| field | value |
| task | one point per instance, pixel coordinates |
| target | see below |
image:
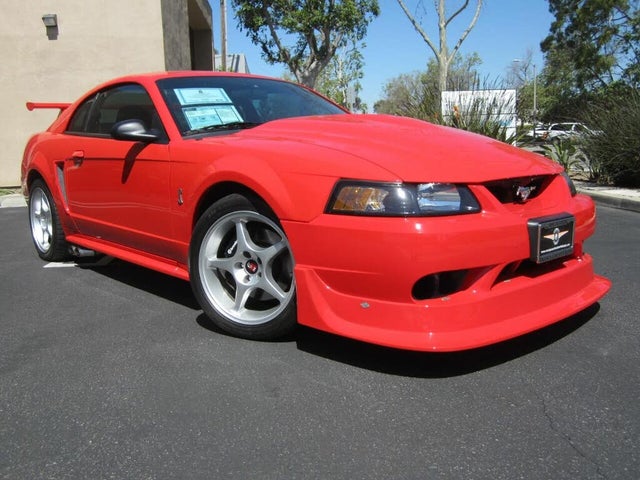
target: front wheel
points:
(241, 269)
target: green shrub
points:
(567, 154)
(615, 148)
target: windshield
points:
(218, 103)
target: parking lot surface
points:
(108, 370)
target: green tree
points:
(521, 75)
(304, 35)
(593, 44)
(410, 95)
(340, 80)
(592, 71)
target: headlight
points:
(399, 199)
(570, 184)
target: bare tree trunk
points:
(441, 51)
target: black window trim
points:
(98, 99)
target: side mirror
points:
(135, 131)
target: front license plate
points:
(551, 237)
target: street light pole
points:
(535, 100)
(517, 61)
(223, 33)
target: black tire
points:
(46, 230)
(241, 269)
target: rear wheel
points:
(241, 270)
(46, 231)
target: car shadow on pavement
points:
(432, 364)
(352, 352)
(164, 286)
(206, 323)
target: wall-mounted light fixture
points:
(50, 20)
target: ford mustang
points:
(281, 208)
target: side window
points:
(98, 115)
(126, 102)
(78, 122)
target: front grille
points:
(506, 191)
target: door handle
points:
(77, 157)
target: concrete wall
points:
(176, 37)
(95, 41)
(201, 34)
(188, 38)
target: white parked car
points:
(536, 132)
(558, 131)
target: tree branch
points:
(419, 29)
(284, 51)
(460, 10)
(469, 28)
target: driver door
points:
(118, 191)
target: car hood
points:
(410, 150)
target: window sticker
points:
(205, 116)
(228, 114)
(195, 96)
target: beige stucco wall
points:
(97, 40)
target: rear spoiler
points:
(36, 105)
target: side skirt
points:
(138, 257)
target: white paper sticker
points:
(205, 116)
(195, 96)
(199, 117)
(228, 114)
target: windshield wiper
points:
(222, 126)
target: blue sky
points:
(505, 31)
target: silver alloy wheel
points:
(246, 268)
(41, 220)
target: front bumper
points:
(469, 319)
(356, 277)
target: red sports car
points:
(281, 208)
